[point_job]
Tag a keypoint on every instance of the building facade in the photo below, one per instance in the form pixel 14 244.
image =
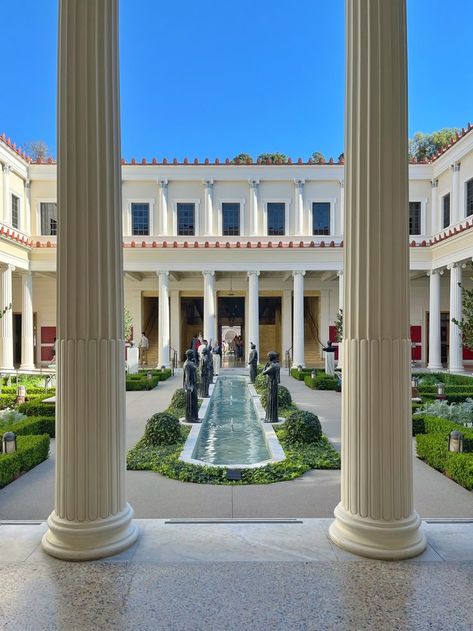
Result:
pixel 249 249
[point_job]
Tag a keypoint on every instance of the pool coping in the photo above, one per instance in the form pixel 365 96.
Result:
pixel 271 439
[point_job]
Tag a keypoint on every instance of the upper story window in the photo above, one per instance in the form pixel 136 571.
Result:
pixel 469 198
pixel 415 209
pixel 276 218
pixel 185 219
pixel 446 210
pixel 230 219
pixel 139 218
pixel 48 212
pixel 15 211
pixel 321 218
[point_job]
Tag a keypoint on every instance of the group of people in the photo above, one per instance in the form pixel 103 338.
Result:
pixel 198 345
pixel 235 347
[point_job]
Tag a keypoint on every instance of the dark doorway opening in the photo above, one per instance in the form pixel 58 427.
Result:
pixel 231 328
pixel 17 339
pixel 269 326
pixel 192 321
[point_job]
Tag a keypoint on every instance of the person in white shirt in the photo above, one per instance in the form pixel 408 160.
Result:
pixel 144 345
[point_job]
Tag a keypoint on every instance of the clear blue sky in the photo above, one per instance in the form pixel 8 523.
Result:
pixel 211 79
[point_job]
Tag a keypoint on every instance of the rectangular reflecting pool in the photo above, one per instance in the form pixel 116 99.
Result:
pixel 231 431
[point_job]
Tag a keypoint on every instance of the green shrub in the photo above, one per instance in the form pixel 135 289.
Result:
pixel 443 377
pixel 162 429
pixel 284 397
pixel 433 449
pixel 303 427
pixel 300 374
pixel 178 400
pixel 322 382
pixel 31 450
pixel 33 391
pixel 261 383
pixel 418 425
pixel 140 382
pixel 37 408
pixel 34 426
pixel 7 401
pixel 459 467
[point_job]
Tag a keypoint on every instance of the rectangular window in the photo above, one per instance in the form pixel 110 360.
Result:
pixel 446 210
pixel 140 219
pixel 414 218
pixel 276 218
pixel 48 211
pixel 186 219
pixel 15 211
pixel 469 198
pixel 321 218
pixel 231 219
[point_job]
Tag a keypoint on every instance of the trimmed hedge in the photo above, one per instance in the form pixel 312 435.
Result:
pixel 138 382
pixel 31 450
pixel 445 377
pixel 449 388
pixel 37 408
pixel 459 467
pixel 7 401
pixel 433 449
pixel 33 426
pixel 322 382
pixel 178 400
pixel 162 429
pixel 162 375
pixel 302 427
pixel 284 397
pixel 300 374
pixel 261 383
pixel 34 390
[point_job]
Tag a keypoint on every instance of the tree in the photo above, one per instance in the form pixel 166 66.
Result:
pixel 339 325
pixel 274 158
pixel 127 323
pixel 317 156
pixel 243 158
pixel 424 146
pixel 37 149
pixel 466 324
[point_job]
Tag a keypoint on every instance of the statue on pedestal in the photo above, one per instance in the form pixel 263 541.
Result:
pixel 329 351
pixel 205 373
pixel 253 362
pixel 272 371
pixel 190 387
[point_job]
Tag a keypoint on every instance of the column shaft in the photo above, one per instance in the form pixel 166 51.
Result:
pixel 455 359
pixel 375 517
pixel 456 197
pixel 163 207
pixel 435 351
pixel 91 518
pixel 286 323
pixel 253 311
pixel 208 207
pixel 163 324
pixel 27 339
pixel 175 332
pixel 6 322
pixel 298 320
pixel 341 301
pixel 435 216
pixel 254 210
pixel 6 218
pixel 299 208
pixel 210 306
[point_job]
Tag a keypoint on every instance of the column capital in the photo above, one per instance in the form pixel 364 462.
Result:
pixel 208 272
pixel 7 266
pixel 456 167
pixel 254 183
pixel 439 271
pixel 27 184
pixel 163 184
pixel 299 183
pixel 253 273
pixel 340 272
pixel 164 273
pixel 434 183
pixel 208 183
pixel 460 264
pixel 6 169
pixel 298 272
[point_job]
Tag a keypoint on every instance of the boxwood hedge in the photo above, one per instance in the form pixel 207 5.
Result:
pixel 31 450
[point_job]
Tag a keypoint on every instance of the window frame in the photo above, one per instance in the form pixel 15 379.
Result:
pixel 423 211
pixel 443 198
pixel 467 183
pixel 133 203
pixel 187 200
pixel 128 223
pixel 220 203
pixel 44 200
pixel 277 200
pixel 15 195
pixel 321 200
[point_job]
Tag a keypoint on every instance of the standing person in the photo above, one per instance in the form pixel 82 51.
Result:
pixel 217 357
pixel 143 346
pixel 195 348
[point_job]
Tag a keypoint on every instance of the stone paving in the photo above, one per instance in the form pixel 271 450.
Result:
pixel 152 496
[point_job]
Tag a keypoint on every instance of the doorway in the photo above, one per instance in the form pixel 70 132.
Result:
pixel 231 329
pixel 192 321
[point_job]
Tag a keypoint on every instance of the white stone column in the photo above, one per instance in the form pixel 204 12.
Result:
pixel 254 209
pixel 253 311
pixel 6 322
pixel 341 301
pixel 286 309
pixel 91 518
pixel 436 223
pixel 298 319
pixel 342 209
pixel 455 355
pixel 456 194
pixel 27 208
pixel 210 306
pixel 163 207
pixel 27 338
pixel 376 517
pixel 299 207
pixel 208 207
pixel 175 333
pixel 163 324
pixel 435 348
pixel 6 218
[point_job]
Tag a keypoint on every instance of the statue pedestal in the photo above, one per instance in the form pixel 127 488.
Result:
pixel 132 360
pixel 329 363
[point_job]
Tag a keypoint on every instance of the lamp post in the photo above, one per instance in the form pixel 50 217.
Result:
pixel 441 392
pixel 9 443
pixel 455 441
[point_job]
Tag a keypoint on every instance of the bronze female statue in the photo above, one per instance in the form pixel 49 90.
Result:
pixel 190 387
pixel 272 372
pixel 253 362
pixel 205 373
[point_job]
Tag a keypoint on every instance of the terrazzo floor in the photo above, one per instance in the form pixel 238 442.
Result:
pixel 232 576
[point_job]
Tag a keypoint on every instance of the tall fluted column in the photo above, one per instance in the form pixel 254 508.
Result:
pixel 341 298
pixel 6 217
pixel 253 310
pixel 435 215
pixel 163 324
pixel 435 348
pixel 210 306
pixel 208 207
pixel 6 323
pixel 91 518
pixel 254 210
pixel 376 517
pixel 298 319
pixel 163 207
pixel 456 195
pixel 299 207
pixel 455 356
pixel 27 343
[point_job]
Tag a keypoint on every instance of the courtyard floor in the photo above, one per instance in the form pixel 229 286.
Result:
pixel 315 494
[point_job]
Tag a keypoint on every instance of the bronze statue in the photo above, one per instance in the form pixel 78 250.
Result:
pixel 205 373
pixel 253 362
pixel 272 372
pixel 190 387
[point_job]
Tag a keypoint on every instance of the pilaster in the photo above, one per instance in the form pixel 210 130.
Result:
pixel 298 319
pixel 455 359
pixel 210 306
pixel 253 310
pixel 435 348
pixel 27 338
pixel 6 322
pixel 163 324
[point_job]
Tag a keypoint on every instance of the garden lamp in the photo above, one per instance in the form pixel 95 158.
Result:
pixel 150 376
pixel 455 441
pixel 441 391
pixel 9 443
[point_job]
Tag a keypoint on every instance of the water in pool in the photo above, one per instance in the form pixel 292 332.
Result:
pixel 231 432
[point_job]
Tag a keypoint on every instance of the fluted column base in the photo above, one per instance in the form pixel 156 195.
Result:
pixel 89 540
pixel 435 367
pixel 385 540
